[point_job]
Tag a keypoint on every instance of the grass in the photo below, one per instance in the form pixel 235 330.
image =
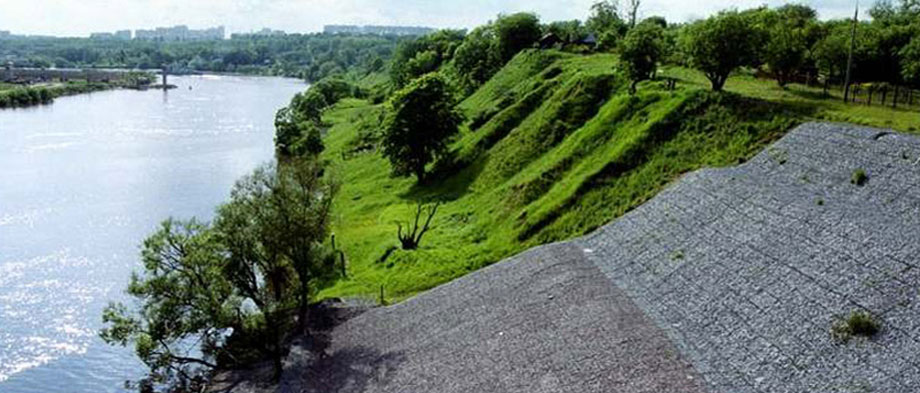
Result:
pixel 857 324
pixel 554 148
pixel 859 177
pixel 810 98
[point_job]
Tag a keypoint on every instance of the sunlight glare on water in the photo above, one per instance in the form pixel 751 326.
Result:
pixel 82 182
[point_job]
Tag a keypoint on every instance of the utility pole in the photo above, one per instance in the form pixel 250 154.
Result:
pixel 846 88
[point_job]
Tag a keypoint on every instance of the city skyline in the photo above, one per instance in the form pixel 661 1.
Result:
pixel 80 19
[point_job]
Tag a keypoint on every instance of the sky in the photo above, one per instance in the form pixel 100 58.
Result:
pixel 81 17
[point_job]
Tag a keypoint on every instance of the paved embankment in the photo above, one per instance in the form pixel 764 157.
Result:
pixel 747 267
pixel 728 282
pixel 544 321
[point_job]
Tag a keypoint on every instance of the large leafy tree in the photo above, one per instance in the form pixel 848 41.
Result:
pixel 477 59
pixel 242 280
pixel 423 55
pixel 273 227
pixel 791 31
pixel 830 52
pixel 185 298
pixel 515 33
pixel 719 45
pixel 420 122
pixel 785 52
pixel 641 50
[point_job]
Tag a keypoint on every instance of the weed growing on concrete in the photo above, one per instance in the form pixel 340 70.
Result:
pixel 858 323
pixel 859 177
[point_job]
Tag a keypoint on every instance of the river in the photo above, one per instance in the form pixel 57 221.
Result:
pixel 82 182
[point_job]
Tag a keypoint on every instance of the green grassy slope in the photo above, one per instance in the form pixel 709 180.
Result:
pixel 554 148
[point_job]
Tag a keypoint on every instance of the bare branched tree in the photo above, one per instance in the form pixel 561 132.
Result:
pixel 413 236
pixel 632 8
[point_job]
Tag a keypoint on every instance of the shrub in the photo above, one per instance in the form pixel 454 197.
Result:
pixel 859 177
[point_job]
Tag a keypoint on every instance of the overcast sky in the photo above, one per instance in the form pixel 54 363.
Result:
pixel 81 17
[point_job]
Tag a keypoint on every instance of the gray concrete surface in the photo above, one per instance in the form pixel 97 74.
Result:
pixel 544 321
pixel 727 282
pixel 747 267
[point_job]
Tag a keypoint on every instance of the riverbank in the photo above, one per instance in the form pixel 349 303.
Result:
pixel 83 180
pixel 15 96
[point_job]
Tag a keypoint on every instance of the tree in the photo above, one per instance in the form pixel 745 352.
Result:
pixel 420 121
pixel 412 238
pixel 719 45
pixel 910 61
pixel 477 59
pixel 515 33
pixel 785 52
pixel 640 52
pixel 186 299
pixel 568 31
pixel 798 15
pixel 632 10
pixel 309 105
pixel 237 281
pixel 830 52
pixel 309 141
pixel 297 130
pixel 423 55
pixel 658 20
pixel 273 227
pixel 606 24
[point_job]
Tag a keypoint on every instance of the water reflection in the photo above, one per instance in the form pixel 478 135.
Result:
pixel 82 182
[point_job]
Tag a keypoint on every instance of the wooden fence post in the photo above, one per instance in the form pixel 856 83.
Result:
pixel 894 101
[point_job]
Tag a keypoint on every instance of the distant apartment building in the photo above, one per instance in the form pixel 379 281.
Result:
pixel 265 32
pixel 123 35
pixel 5 34
pixel 180 33
pixel 377 30
pixel 118 35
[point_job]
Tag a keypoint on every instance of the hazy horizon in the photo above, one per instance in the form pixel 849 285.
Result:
pixel 80 18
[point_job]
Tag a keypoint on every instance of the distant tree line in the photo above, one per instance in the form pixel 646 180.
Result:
pixel 788 43
pixel 310 56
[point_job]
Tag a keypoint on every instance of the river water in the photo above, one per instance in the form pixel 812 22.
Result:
pixel 82 182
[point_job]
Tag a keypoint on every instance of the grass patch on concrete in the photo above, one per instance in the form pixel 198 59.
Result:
pixel 554 148
pixel 857 324
pixel 859 177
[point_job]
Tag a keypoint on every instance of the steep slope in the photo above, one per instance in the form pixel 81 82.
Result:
pixel 554 147
pixel 729 281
